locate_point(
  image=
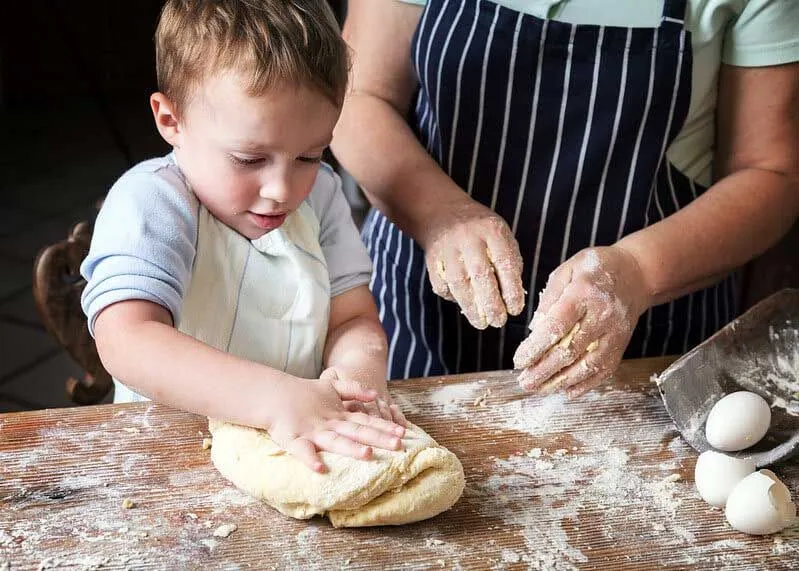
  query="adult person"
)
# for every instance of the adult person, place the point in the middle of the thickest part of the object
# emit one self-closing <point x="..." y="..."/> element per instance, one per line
<point x="638" y="151"/>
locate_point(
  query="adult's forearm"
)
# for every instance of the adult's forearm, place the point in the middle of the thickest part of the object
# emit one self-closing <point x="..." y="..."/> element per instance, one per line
<point x="737" y="219"/>
<point x="358" y="350"/>
<point x="375" y="144"/>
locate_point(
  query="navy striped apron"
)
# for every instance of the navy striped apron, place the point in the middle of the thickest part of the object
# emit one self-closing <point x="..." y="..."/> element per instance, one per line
<point x="562" y="130"/>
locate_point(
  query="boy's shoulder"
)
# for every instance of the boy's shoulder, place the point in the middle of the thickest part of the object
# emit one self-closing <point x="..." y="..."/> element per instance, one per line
<point x="324" y="189"/>
<point x="154" y="181"/>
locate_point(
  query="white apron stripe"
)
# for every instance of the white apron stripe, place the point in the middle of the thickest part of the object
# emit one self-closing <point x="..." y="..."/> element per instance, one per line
<point x="384" y="286"/>
<point x="395" y="333"/>
<point x="441" y="59"/>
<point x="456" y="114"/>
<point x="551" y="179"/>
<point x="508" y="95"/>
<point x="482" y="102"/>
<point x="653" y="189"/>
<point x="411" y="330"/>
<point x="638" y="139"/>
<point x="526" y="167"/>
<point x="586" y="135"/>
<point x="616" y="118"/>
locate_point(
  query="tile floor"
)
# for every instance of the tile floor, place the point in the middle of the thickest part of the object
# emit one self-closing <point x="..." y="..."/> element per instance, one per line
<point x="55" y="162"/>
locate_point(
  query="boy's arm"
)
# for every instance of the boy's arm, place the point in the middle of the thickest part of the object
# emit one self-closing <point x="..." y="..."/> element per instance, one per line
<point x="357" y="349"/>
<point x="137" y="343"/>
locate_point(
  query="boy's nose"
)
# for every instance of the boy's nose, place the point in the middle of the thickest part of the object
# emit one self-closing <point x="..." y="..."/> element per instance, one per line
<point x="277" y="189"/>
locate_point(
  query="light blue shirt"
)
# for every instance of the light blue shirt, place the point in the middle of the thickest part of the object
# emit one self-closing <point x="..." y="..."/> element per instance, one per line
<point x="144" y="239"/>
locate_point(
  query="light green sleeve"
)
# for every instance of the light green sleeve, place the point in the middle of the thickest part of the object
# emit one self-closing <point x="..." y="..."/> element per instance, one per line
<point x="766" y="32"/>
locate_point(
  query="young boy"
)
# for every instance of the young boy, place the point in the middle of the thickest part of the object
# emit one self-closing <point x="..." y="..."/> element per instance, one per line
<point x="225" y="276"/>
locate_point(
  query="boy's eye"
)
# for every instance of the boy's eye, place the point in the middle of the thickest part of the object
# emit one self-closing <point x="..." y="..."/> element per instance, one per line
<point x="245" y="162"/>
<point x="317" y="159"/>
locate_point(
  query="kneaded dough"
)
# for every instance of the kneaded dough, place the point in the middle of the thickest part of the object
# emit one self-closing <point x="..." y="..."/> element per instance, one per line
<point x="392" y="488"/>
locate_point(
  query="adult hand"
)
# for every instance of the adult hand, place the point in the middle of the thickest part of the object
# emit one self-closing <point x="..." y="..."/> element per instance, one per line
<point x="312" y="417"/>
<point x="585" y="320"/>
<point x="473" y="259"/>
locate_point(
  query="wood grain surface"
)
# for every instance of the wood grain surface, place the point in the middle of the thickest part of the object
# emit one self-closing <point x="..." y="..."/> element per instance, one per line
<point x="603" y="482"/>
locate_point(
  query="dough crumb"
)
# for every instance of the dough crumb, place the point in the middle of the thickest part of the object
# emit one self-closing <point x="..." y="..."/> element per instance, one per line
<point x="206" y="443"/>
<point x="225" y="530"/>
<point x="658" y="527"/>
<point x="432" y="542"/>
<point x="192" y="515"/>
<point x="482" y="399"/>
<point x="123" y="530"/>
<point x="127" y="503"/>
<point x="560" y="452"/>
<point x="672" y="478"/>
<point x="535" y="453"/>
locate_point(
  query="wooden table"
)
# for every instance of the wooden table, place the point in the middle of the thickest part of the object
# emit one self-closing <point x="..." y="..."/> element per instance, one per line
<point x="604" y="482"/>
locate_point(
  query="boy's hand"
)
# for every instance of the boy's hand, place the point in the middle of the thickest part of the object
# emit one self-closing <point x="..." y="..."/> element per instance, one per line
<point x="313" y="417"/>
<point x="382" y="406"/>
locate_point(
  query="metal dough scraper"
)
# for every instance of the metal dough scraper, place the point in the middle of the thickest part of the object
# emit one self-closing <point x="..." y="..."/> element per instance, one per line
<point x="757" y="352"/>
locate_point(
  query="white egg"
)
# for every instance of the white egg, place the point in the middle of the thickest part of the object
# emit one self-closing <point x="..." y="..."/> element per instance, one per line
<point x="760" y="504"/>
<point x="737" y="421"/>
<point x="716" y="475"/>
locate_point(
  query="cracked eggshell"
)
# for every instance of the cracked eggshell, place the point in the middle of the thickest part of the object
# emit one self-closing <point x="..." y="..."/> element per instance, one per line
<point x="760" y="504"/>
<point x="737" y="421"/>
<point x="716" y="475"/>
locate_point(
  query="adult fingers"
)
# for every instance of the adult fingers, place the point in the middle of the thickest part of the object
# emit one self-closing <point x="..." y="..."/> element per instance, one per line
<point x="589" y="384"/>
<point x="438" y="277"/>
<point x="548" y="330"/>
<point x="590" y="365"/>
<point x="460" y="285"/>
<point x="503" y="253"/>
<point x="573" y="346"/>
<point x="487" y="297"/>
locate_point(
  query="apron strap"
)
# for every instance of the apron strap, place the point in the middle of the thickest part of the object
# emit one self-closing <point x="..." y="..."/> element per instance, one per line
<point x="674" y="11"/>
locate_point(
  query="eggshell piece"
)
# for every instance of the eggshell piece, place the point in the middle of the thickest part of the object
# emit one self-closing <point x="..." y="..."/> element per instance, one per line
<point x="716" y="475"/>
<point x="760" y="504"/>
<point x="737" y="421"/>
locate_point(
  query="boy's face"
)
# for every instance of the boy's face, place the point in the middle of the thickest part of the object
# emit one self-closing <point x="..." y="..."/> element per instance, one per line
<point x="252" y="160"/>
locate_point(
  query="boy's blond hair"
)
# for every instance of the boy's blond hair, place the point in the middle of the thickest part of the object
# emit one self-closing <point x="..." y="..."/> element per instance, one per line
<point x="269" y="42"/>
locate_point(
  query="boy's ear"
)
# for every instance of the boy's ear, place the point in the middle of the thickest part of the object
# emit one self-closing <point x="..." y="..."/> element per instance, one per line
<point x="166" y="119"/>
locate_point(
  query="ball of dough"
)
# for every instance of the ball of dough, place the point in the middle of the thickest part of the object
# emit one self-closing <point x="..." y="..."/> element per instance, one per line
<point x="392" y="488"/>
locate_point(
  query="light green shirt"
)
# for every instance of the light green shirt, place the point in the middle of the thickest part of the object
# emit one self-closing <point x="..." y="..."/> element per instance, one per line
<point x="747" y="33"/>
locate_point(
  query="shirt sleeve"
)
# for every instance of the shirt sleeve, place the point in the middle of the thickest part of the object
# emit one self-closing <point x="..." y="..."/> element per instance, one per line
<point x="143" y="243"/>
<point x="766" y="32"/>
<point x="348" y="262"/>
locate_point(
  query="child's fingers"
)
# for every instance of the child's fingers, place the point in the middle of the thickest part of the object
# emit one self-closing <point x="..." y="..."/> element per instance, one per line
<point x="366" y="434"/>
<point x="387" y="426"/>
<point x="335" y="441"/>
<point x="352" y="390"/>
<point x="305" y="451"/>
<point x="397" y="416"/>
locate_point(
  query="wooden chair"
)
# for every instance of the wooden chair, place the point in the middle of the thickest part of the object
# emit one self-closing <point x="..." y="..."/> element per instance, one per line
<point x="57" y="287"/>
